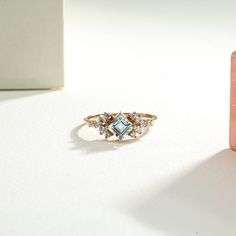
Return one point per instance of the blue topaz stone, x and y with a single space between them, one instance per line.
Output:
120 126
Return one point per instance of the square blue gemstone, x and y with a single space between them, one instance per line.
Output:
120 126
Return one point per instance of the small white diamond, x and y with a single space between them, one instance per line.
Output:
107 115
108 134
139 130
101 120
102 130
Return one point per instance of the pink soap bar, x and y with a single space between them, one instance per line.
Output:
232 138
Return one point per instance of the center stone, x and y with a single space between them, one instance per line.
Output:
120 126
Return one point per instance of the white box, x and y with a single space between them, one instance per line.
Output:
31 44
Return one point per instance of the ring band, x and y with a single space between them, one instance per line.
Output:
121 125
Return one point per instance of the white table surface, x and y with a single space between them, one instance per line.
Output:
167 58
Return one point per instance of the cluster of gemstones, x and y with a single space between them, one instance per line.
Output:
121 125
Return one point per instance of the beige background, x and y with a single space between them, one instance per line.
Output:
31 44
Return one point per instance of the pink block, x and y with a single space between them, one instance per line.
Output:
232 135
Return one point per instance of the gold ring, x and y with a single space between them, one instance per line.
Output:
121 125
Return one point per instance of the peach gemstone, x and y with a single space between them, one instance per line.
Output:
233 103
